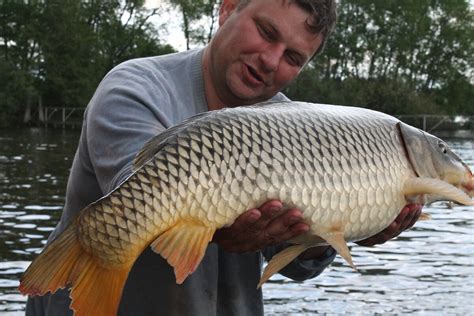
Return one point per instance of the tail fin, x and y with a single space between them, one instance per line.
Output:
95 289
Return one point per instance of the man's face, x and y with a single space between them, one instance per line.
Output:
258 50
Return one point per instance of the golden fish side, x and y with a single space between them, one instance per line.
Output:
345 168
345 173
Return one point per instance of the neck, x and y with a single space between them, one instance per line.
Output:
212 99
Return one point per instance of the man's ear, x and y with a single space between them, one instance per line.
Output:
226 9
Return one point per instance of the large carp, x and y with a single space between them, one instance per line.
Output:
349 170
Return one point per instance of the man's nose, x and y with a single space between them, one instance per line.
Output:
271 56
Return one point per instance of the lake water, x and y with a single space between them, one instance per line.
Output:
429 270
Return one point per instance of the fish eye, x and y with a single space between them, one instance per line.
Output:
443 147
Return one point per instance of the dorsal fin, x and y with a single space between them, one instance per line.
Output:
157 142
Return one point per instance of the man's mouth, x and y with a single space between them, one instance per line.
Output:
254 74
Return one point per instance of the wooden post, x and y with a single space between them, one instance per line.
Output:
41 114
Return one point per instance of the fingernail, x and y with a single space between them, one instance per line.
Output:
254 216
304 229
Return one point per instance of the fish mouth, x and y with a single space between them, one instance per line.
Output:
469 188
468 183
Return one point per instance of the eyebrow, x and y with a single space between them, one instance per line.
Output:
277 35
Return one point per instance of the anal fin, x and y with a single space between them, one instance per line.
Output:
336 240
184 246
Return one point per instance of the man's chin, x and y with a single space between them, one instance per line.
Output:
248 97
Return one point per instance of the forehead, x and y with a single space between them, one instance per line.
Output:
290 20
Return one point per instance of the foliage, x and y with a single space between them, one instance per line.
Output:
386 52
56 52
397 56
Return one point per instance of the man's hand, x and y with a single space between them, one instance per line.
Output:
406 219
258 228
270 225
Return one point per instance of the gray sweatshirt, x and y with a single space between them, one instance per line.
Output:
135 101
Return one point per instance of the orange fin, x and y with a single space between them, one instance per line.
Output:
281 260
183 246
336 240
95 290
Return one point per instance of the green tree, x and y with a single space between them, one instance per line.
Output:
58 51
198 19
83 40
421 47
20 55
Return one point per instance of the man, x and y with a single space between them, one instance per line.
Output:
260 47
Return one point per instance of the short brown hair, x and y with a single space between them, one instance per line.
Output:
322 20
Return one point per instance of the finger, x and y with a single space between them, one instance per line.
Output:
269 211
247 230
271 204
416 217
406 219
380 238
282 223
402 215
416 210
295 230
413 211
275 226
284 227
241 224
401 223
371 241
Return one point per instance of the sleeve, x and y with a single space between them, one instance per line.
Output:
122 116
300 270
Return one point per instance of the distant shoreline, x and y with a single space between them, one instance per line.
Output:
455 134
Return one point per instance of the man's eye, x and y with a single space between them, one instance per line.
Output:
292 60
265 33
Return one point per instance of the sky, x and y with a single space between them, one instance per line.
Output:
174 35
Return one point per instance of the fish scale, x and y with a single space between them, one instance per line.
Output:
349 170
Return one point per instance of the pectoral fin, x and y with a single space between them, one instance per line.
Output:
183 246
414 186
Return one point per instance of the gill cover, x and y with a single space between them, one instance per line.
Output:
432 158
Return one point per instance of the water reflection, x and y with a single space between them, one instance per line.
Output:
428 270
34 164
